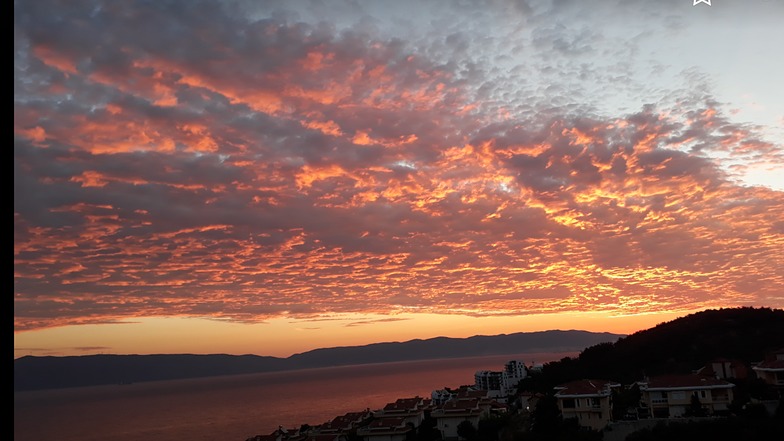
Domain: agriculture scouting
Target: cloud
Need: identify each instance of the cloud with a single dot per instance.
(171, 160)
(369, 322)
(42, 352)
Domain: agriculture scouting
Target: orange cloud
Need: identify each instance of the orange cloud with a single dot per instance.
(293, 171)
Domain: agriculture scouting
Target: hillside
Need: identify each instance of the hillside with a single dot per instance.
(31, 373)
(678, 346)
(443, 347)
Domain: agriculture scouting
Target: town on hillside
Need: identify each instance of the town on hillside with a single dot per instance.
(499, 407)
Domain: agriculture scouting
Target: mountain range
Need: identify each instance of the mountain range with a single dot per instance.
(51, 372)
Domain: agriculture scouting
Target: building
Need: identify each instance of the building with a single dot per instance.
(587, 401)
(513, 372)
(489, 381)
(673, 396)
(386, 429)
(441, 396)
(501, 384)
(771, 370)
(412, 410)
(723, 368)
(345, 423)
(527, 400)
(449, 415)
(280, 434)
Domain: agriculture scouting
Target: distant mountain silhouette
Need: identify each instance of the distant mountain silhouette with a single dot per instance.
(32, 372)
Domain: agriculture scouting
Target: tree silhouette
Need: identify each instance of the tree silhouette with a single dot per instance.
(466, 430)
(427, 430)
(695, 407)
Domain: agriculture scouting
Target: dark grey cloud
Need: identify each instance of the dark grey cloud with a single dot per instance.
(245, 160)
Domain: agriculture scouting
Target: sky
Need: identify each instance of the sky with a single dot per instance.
(269, 177)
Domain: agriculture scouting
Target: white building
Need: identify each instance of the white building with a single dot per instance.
(386, 429)
(771, 370)
(441, 396)
(489, 381)
(587, 401)
(670, 396)
(449, 416)
(500, 384)
(411, 410)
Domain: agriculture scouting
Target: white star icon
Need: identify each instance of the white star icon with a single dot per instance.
(697, 2)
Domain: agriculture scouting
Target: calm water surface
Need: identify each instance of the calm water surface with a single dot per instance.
(233, 408)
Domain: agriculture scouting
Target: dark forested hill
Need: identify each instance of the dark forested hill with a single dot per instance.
(56, 372)
(678, 346)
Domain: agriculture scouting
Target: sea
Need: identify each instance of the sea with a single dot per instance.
(236, 407)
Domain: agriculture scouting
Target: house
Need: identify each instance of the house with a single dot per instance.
(322, 437)
(724, 368)
(526, 400)
(386, 429)
(450, 414)
(412, 410)
(345, 423)
(671, 396)
(472, 393)
(771, 370)
(441, 396)
(588, 401)
(280, 434)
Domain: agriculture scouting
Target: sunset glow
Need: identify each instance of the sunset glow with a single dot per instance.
(272, 177)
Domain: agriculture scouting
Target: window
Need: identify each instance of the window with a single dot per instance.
(568, 403)
(702, 394)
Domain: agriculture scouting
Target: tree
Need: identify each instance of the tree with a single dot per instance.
(427, 430)
(625, 401)
(491, 426)
(695, 407)
(546, 417)
(466, 430)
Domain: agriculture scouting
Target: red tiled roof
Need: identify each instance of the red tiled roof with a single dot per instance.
(404, 404)
(528, 393)
(688, 380)
(387, 422)
(771, 364)
(738, 368)
(461, 404)
(386, 425)
(357, 415)
(583, 387)
(320, 438)
(471, 393)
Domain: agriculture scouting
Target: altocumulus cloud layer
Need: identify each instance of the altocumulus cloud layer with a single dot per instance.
(252, 160)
